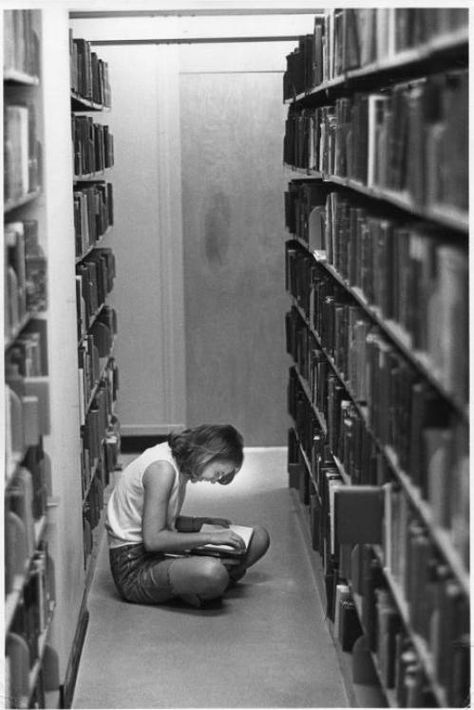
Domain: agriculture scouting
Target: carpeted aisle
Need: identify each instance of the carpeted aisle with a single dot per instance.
(266, 646)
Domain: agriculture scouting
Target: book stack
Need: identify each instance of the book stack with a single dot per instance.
(26, 273)
(22, 151)
(93, 146)
(299, 407)
(298, 274)
(27, 393)
(21, 49)
(93, 214)
(92, 508)
(94, 279)
(89, 74)
(96, 426)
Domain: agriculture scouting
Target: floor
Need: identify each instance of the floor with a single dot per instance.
(266, 646)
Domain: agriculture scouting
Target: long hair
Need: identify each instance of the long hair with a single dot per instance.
(195, 448)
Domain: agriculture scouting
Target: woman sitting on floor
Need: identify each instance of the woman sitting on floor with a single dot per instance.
(151, 543)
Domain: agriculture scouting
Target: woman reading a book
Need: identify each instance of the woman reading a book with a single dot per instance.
(155, 553)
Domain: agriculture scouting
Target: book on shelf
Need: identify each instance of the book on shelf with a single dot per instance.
(18, 670)
(93, 146)
(21, 42)
(89, 73)
(93, 214)
(358, 513)
(22, 151)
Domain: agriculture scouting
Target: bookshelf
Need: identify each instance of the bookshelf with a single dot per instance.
(30, 594)
(60, 374)
(95, 273)
(377, 273)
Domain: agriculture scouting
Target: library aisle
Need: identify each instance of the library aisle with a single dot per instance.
(266, 646)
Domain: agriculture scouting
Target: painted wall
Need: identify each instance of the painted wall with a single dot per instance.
(232, 123)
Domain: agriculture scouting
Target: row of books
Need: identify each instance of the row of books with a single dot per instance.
(413, 562)
(406, 139)
(404, 416)
(25, 504)
(439, 600)
(89, 74)
(94, 281)
(92, 510)
(27, 354)
(95, 497)
(32, 613)
(93, 214)
(437, 607)
(21, 150)
(93, 146)
(27, 415)
(347, 39)
(97, 432)
(94, 356)
(411, 279)
(21, 51)
(25, 273)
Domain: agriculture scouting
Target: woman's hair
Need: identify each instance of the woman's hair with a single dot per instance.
(194, 448)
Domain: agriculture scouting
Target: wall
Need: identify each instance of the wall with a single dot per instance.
(232, 122)
(200, 335)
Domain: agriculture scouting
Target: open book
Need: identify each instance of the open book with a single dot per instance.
(224, 550)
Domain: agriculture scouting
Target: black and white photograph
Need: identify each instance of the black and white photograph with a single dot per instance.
(236, 393)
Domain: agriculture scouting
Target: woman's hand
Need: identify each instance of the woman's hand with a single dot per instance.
(227, 537)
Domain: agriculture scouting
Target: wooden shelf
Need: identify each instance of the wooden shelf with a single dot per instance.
(101, 377)
(96, 245)
(92, 321)
(15, 76)
(33, 676)
(446, 216)
(12, 598)
(98, 176)
(11, 205)
(80, 103)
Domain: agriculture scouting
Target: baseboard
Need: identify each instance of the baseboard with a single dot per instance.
(257, 449)
(131, 444)
(137, 444)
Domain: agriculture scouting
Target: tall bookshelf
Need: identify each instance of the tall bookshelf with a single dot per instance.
(95, 273)
(30, 594)
(377, 271)
(60, 376)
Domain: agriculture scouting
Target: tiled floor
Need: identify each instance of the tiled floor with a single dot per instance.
(266, 646)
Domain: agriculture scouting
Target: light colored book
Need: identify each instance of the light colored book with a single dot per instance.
(224, 550)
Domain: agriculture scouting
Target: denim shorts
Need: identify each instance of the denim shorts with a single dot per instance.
(140, 576)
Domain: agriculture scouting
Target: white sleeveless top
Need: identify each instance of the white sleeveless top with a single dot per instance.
(125, 507)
